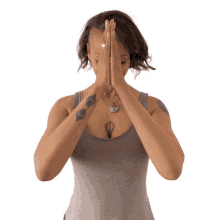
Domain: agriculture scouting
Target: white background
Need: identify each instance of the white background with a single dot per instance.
(38, 65)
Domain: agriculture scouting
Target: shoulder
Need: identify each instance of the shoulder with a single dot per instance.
(157, 105)
(67, 101)
(151, 101)
(151, 104)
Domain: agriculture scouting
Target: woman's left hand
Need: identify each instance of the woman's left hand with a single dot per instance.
(117, 76)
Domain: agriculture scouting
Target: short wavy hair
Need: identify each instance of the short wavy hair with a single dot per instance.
(127, 33)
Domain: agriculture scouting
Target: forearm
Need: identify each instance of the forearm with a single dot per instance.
(55, 150)
(160, 147)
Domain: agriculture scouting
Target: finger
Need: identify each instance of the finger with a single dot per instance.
(110, 31)
(106, 33)
(112, 40)
(104, 37)
(108, 28)
(108, 51)
(114, 49)
(114, 55)
(109, 58)
(107, 45)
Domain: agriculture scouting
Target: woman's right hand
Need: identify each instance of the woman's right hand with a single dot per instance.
(103, 76)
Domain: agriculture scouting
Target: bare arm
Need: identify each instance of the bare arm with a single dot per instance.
(57, 145)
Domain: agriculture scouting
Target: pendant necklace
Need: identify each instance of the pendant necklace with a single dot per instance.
(112, 109)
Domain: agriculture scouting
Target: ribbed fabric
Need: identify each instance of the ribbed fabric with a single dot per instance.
(110, 176)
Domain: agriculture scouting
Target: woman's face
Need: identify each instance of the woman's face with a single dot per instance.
(94, 48)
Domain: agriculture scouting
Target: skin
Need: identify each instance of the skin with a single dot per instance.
(154, 130)
(95, 41)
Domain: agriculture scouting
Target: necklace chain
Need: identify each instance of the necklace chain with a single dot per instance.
(112, 109)
(109, 101)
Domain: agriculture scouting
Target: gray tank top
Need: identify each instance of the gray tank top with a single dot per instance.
(110, 176)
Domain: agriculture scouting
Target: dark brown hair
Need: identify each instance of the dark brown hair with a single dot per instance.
(127, 34)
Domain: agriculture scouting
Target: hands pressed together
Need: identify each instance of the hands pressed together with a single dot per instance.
(110, 72)
(116, 73)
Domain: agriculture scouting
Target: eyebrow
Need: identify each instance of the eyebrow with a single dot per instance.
(121, 55)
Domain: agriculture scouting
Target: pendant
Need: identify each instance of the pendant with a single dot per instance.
(113, 108)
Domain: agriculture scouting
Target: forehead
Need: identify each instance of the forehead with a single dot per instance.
(96, 39)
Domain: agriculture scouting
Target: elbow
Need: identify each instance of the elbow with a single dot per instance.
(174, 175)
(177, 171)
(41, 174)
(45, 177)
(38, 172)
(40, 178)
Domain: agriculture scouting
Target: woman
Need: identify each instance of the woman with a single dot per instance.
(109, 130)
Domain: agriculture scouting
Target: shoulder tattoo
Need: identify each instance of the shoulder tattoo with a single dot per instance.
(163, 107)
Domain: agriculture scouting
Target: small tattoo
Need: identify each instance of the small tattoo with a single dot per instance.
(81, 114)
(91, 101)
(163, 107)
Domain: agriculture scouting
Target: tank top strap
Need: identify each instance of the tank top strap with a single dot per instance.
(77, 98)
(143, 99)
